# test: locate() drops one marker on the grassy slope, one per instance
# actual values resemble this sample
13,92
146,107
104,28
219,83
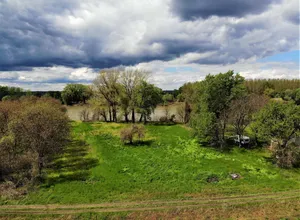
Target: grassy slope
168,165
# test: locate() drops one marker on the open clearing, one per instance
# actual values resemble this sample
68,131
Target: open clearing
167,171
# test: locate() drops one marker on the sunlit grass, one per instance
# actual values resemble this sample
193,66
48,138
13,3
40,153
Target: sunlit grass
97,167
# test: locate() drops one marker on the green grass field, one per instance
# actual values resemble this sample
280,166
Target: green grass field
169,164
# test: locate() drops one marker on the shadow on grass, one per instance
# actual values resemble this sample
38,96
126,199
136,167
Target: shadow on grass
158,123
140,143
72,164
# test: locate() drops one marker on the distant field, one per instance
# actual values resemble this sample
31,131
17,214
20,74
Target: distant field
74,111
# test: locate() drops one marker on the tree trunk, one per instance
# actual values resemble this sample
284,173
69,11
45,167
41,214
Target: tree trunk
126,117
109,112
104,116
145,118
40,165
133,116
114,114
141,118
187,112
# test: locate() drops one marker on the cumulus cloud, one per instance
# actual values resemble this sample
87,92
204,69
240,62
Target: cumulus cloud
173,74
68,40
46,78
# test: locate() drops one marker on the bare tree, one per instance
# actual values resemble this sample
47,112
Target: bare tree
130,79
40,128
84,114
99,106
107,85
241,111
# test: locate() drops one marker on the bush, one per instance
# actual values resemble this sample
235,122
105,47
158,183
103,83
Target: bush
32,131
127,134
165,119
287,157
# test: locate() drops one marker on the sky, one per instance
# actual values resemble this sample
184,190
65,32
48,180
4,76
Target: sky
45,44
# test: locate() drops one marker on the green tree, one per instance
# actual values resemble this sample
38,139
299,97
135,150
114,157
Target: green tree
99,106
280,122
75,93
296,96
216,94
3,91
149,96
189,94
167,98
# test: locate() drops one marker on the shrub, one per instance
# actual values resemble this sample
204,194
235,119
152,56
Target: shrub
32,131
127,134
165,119
287,157
140,131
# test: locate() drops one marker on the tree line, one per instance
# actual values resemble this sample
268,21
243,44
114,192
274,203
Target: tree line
15,93
117,93
215,108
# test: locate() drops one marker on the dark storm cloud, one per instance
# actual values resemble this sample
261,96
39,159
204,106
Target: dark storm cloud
193,9
29,39
36,33
175,48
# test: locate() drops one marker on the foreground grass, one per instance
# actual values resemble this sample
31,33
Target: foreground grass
267,210
169,164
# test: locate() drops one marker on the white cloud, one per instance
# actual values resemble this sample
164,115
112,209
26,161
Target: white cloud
66,41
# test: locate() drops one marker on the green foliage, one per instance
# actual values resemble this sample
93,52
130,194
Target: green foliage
171,166
280,122
149,96
10,93
167,98
75,93
211,115
189,92
259,86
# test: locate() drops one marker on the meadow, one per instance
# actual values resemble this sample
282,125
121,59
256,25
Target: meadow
168,164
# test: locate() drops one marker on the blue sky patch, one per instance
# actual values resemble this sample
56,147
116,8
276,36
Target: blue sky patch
291,56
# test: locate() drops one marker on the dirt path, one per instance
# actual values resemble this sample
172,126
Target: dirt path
293,195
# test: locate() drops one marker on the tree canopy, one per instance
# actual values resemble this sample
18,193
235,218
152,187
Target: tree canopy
75,93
